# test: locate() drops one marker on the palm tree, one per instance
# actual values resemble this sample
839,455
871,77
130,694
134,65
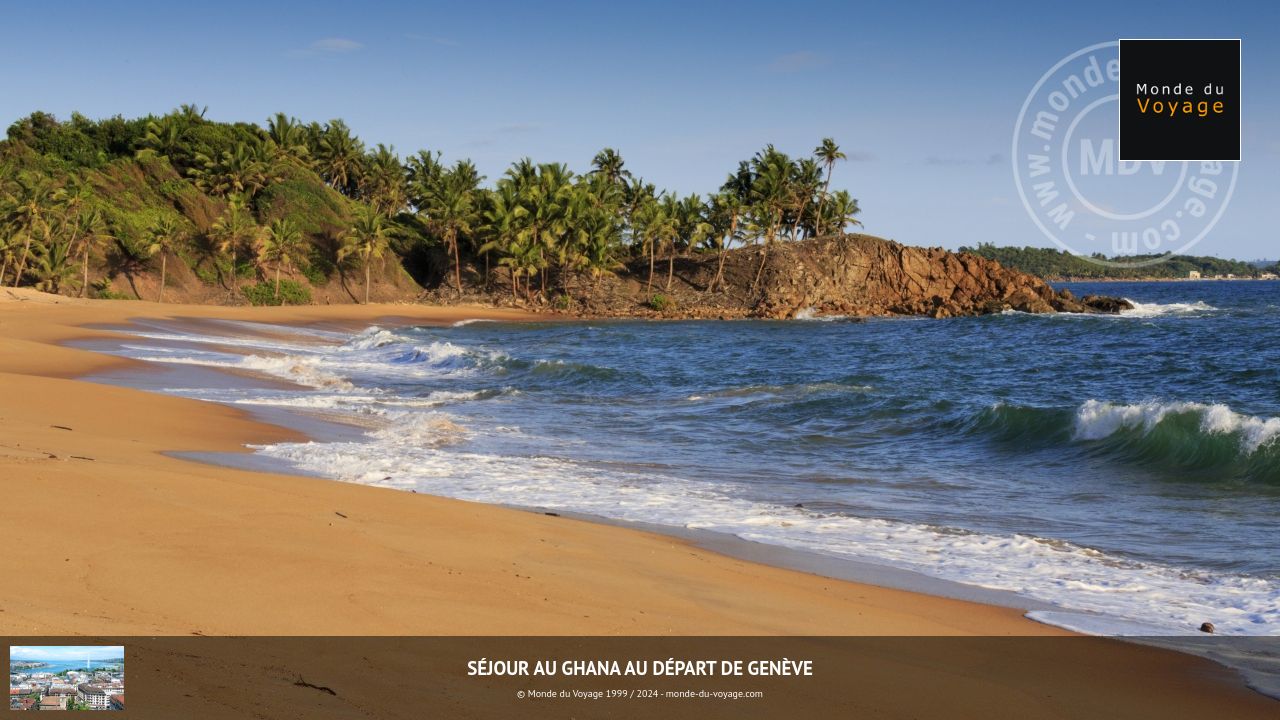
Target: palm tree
367,240
544,192
53,266
685,224
608,164
34,203
502,217
726,209
91,229
806,174
383,182
423,172
163,137
243,171
230,232
164,234
771,191
73,197
341,155
280,245
451,210
522,259
827,153
839,213
287,139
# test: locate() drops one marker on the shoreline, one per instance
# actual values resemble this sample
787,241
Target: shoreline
281,519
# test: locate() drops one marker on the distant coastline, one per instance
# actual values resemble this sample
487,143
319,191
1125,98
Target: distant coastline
1053,279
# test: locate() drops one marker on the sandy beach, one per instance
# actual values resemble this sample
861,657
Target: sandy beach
106,534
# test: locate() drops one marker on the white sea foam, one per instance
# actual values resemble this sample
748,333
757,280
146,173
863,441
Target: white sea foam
1147,310
1096,420
810,313
1139,310
417,444
426,457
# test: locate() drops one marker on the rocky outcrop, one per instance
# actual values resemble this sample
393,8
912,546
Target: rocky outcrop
864,275
849,275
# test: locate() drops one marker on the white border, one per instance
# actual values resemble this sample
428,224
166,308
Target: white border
1239,116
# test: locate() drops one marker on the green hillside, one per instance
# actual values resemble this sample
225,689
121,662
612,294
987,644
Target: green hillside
1057,265
181,207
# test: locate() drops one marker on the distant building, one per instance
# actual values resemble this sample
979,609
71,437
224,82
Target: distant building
21,703
61,690
1193,275
117,702
1268,276
93,696
53,702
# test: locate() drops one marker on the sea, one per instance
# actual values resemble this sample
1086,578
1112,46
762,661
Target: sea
1121,473
56,666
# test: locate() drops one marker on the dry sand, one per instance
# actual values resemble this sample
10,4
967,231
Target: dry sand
104,534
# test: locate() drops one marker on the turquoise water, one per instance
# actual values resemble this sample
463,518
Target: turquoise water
57,666
1126,468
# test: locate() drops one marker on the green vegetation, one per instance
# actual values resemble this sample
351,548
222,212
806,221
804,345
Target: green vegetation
280,292
1057,265
662,303
84,203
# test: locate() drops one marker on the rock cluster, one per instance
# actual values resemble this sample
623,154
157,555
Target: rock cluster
864,275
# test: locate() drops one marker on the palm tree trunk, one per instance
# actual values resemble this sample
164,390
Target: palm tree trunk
457,265
764,254
724,249
22,264
4,268
826,187
84,285
514,298
277,281
164,272
671,267
366,282
651,254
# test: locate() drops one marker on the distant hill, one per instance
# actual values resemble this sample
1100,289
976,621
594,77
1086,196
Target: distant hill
1053,264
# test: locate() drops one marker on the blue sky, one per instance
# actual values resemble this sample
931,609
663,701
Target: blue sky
54,653
923,96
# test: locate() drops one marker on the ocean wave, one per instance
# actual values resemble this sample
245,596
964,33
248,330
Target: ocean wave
1148,310
302,370
1211,439
1096,420
433,457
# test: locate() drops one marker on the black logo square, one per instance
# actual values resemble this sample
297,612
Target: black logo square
1179,100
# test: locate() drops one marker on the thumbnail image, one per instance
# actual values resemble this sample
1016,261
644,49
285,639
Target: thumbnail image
66,677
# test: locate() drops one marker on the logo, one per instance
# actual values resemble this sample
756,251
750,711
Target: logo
1082,196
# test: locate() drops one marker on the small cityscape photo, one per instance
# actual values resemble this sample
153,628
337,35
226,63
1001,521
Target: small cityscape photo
66,677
